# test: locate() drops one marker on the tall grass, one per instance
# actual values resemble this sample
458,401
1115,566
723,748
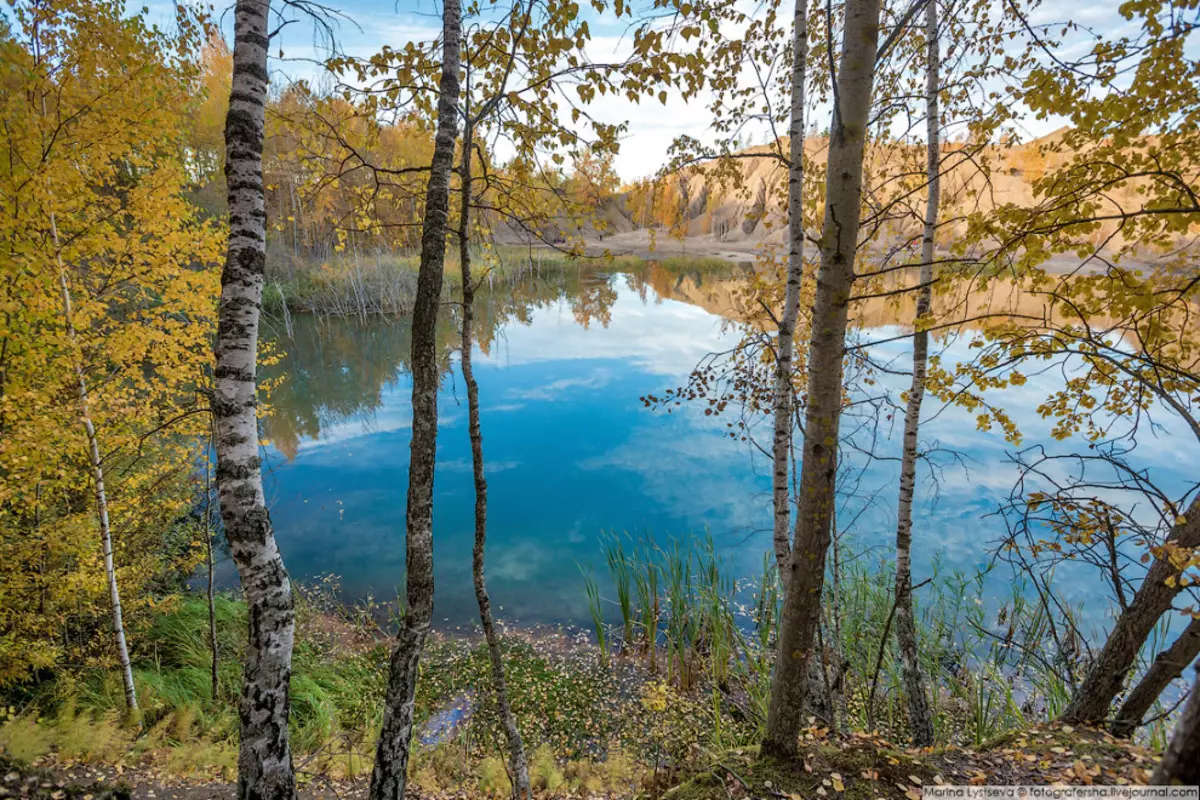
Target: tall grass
596,610
681,611
363,284
987,676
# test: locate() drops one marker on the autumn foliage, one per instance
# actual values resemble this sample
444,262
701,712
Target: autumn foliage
94,139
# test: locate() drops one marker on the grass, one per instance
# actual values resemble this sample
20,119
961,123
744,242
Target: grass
683,724
678,610
677,603
361,284
336,692
677,708
580,717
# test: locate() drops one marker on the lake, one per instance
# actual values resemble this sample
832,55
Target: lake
572,451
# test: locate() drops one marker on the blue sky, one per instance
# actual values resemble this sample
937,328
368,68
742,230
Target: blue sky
371,24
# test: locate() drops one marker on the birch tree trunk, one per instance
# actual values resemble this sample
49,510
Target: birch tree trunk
97,469
518,764
390,775
1180,763
785,344
920,719
839,245
1168,665
265,756
1108,671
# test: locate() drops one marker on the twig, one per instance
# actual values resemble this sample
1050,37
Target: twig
882,647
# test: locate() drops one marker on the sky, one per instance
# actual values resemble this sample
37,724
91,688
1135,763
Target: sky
368,25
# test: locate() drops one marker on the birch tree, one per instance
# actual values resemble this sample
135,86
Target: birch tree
920,719
839,244
265,756
529,70
781,442
390,774
105,321
97,468
1120,197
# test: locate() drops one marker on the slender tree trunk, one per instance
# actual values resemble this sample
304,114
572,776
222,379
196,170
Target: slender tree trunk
920,718
518,764
1108,671
265,757
785,344
97,469
1168,665
1180,763
839,245
390,775
208,558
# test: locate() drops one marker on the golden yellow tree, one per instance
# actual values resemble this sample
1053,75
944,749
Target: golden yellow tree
105,312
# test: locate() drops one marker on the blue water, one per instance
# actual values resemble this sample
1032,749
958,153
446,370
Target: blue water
572,451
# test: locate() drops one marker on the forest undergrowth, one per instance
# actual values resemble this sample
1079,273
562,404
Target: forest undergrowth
666,695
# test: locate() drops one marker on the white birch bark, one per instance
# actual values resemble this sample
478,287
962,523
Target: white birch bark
785,343
390,774
839,245
265,756
210,589
97,470
919,716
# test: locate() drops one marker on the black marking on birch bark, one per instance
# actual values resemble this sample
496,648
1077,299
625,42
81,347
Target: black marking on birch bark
235,471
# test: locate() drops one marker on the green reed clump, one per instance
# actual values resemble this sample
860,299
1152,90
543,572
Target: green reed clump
687,617
988,669
619,567
985,674
596,611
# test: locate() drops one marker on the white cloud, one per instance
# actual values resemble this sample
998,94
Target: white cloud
556,389
667,339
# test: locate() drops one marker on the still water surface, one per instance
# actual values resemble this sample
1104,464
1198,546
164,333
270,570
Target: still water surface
572,451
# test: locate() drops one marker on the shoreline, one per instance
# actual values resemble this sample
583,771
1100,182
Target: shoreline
639,243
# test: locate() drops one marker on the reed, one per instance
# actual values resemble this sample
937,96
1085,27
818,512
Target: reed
362,283
596,611
992,669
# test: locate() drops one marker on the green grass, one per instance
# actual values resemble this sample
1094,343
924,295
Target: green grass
691,678
682,614
574,710
336,692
